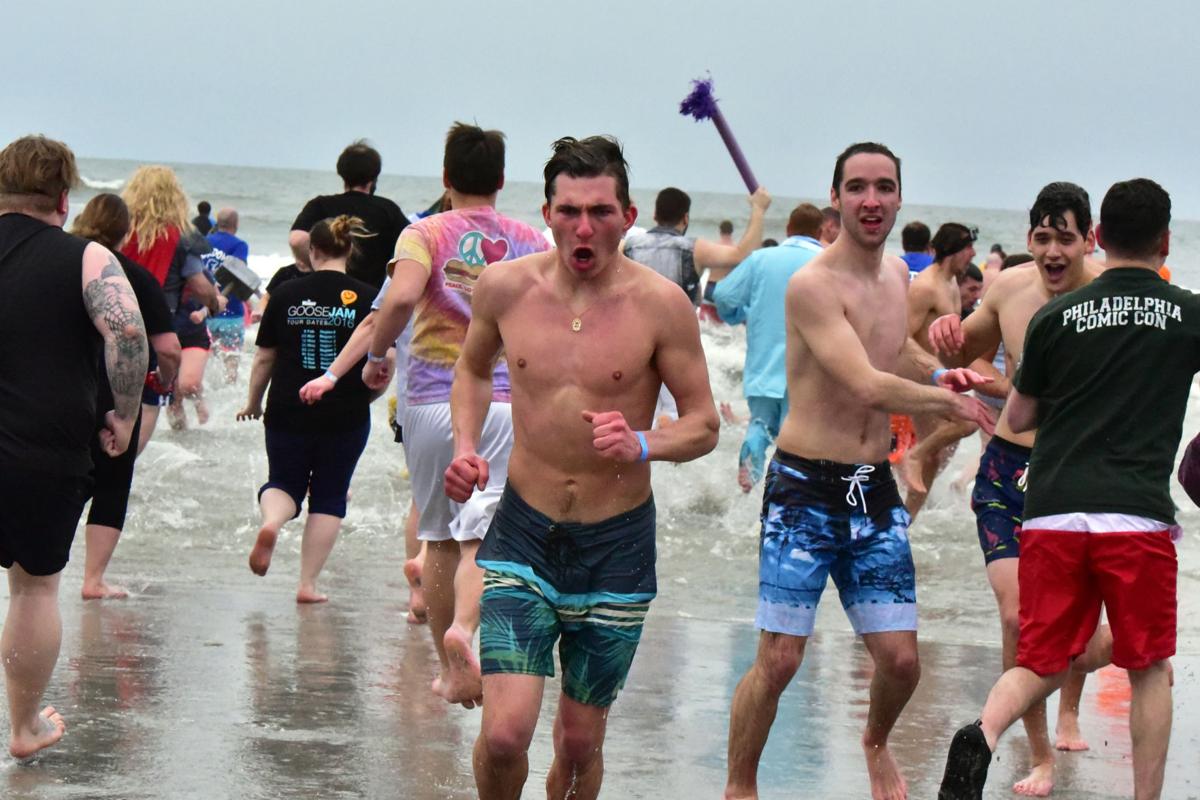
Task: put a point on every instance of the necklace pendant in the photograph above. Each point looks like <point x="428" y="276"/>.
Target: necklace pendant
<point x="577" y="324"/>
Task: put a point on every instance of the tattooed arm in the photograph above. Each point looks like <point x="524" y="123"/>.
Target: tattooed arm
<point x="111" y="304"/>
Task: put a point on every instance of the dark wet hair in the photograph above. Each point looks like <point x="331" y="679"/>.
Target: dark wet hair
<point x="589" y="158"/>
<point x="336" y="237"/>
<point x="1133" y="218"/>
<point x="671" y="206"/>
<point x="474" y="159"/>
<point x="915" y="237"/>
<point x="856" y="149"/>
<point x="203" y="207"/>
<point x="726" y="228"/>
<point x="951" y="238"/>
<point x="105" y="219"/>
<point x="359" y="164"/>
<point x="770" y="243"/>
<point x="971" y="273"/>
<point x="1055" y="200"/>
<point x="1015" y="260"/>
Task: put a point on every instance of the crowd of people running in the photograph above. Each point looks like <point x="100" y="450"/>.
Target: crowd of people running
<point x="537" y="374"/>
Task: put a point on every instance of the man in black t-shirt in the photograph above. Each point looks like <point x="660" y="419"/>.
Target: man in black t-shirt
<point x="1105" y="377"/>
<point x="73" y="296"/>
<point x="359" y="166"/>
<point x="282" y="275"/>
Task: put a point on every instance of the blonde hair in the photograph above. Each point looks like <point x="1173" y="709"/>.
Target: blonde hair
<point x="156" y="203"/>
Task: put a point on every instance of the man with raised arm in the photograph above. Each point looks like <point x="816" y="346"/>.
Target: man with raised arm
<point x="1060" y="235"/>
<point x="1105" y="377"/>
<point x="830" y="505"/>
<point x="76" y="297"/>
<point x="590" y="336"/>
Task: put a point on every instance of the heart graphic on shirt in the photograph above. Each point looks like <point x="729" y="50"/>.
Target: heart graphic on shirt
<point x="493" y="250"/>
<point x="348" y="296"/>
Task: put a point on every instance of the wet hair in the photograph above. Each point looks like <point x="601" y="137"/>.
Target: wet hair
<point x="1134" y="216"/>
<point x="1055" y="200"/>
<point x="725" y="228"/>
<point x="805" y="220"/>
<point x="156" y="204"/>
<point x="951" y="238"/>
<point x="204" y="208"/>
<point x="1014" y="260"/>
<point x="474" y="159"/>
<point x="336" y="237"/>
<point x="770" y="243"/>
<point x="971" y="273"/>
<point x="105" y="219"/>
<point x="857" y="149"/>
<point x="359" y="164"/>
<point x="34" y="172"/>
<point x="671" y="206"/>
<point x="589" y="158"/>
<point x="831" y="214"/>
<point x="915" y="237"/>
<point x="998" y="249"/>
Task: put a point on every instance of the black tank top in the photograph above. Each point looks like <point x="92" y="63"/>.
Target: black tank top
<point x="49" y="350"/>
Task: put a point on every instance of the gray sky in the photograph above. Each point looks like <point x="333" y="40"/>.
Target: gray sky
<point x="984" y="102"/>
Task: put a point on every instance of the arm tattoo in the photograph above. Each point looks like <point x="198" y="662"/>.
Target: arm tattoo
<point x="113" y="308"/>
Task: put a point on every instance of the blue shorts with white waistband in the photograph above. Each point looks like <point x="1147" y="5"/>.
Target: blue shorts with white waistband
<point x="822" y="519"/>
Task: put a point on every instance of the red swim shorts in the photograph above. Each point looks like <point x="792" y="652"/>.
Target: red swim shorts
<point x="1064" y="576"/>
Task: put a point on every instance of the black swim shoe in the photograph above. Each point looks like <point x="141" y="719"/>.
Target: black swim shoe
<point x="966" y="765"/>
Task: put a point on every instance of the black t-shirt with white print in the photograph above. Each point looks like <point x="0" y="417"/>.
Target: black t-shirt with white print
<point x="308" y="322"/>
<point x="1111" y="365"/>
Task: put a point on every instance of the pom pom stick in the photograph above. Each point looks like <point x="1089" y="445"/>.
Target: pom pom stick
<point x="701" y="105"/>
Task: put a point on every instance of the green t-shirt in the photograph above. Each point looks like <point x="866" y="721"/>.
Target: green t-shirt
<point x="1111" y="365"/>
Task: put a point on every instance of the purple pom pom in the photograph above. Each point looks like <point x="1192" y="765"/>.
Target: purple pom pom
<point x="700" y="103"/>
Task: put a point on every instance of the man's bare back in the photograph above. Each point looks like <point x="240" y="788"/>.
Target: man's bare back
<point x="931" y="294"/>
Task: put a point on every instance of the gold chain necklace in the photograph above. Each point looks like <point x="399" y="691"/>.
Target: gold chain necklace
<point x="577" y="322"/>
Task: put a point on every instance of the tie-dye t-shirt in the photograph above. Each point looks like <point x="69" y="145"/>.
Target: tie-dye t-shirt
<point x="454" y="247"/>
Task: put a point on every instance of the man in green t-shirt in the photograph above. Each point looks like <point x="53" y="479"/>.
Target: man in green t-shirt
<point x="1104" y="377"/>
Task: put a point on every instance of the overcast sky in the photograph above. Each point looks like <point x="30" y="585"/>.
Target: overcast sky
<point x="984" y="102"/>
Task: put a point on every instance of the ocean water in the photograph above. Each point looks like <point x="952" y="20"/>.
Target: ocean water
<point x="210" y="682"/>
<point x="268" y="200"/>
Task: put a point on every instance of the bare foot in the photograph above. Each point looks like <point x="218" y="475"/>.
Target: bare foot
<point x="417" y="610"/>
<point x="264" y="546"/>
<point x="201" y="411"/>
<point x="886" y="781"/>
<point x="50" y="727"/>
<point x="100" y="590"/>
<point x="310" y="595"/>
<point x="460" y="682"/>
<point x="744" y="478"/>
<point x="1067" y="735"/>
<point x="1039" y="783"/>
<point x="910" y="472"/>
<point x="176" y="417"/>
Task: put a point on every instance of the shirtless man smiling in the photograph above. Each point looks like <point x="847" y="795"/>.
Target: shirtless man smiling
<point x="1060" y="236"/>
<point x="830" y="505"/>
<point x="590" y="336"/>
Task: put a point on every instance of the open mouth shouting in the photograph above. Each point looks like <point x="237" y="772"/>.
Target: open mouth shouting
<point x="1054" y="272"/>
<point x="872" y="223"/>
<point x="582" y="258"/>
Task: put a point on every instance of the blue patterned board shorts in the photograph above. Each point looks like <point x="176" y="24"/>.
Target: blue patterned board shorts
<point x="588" y="587"/>
<point x="228" y="333"/>
<point x="998" y="499"/>
<point x="822" y="519"/>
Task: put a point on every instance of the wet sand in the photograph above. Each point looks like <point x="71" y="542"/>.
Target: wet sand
<point x="209" y="682"/>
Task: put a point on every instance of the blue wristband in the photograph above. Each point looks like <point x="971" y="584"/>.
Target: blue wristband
<point x="374" y="359"/>
<point x="937" y="373"/>
<point x="330" y="376"/>
<point x="645" y="447"/>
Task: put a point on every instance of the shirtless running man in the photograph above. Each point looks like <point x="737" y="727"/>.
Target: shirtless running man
<point x="934" y="292"/>
<point x="590" y="336"/>
<point x="847" y="347"/>
<point x="1060" y="236"/>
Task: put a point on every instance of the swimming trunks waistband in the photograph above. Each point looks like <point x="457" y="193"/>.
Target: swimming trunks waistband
<point x="1011" y="449"/>
<point x="835" y="472"/>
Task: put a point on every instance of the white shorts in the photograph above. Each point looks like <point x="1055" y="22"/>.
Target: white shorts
<point x="429" y="449"/>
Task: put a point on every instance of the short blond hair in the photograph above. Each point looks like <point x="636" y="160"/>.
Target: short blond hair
<point x="34" y="172"/>
<point x="156" y="203"/>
